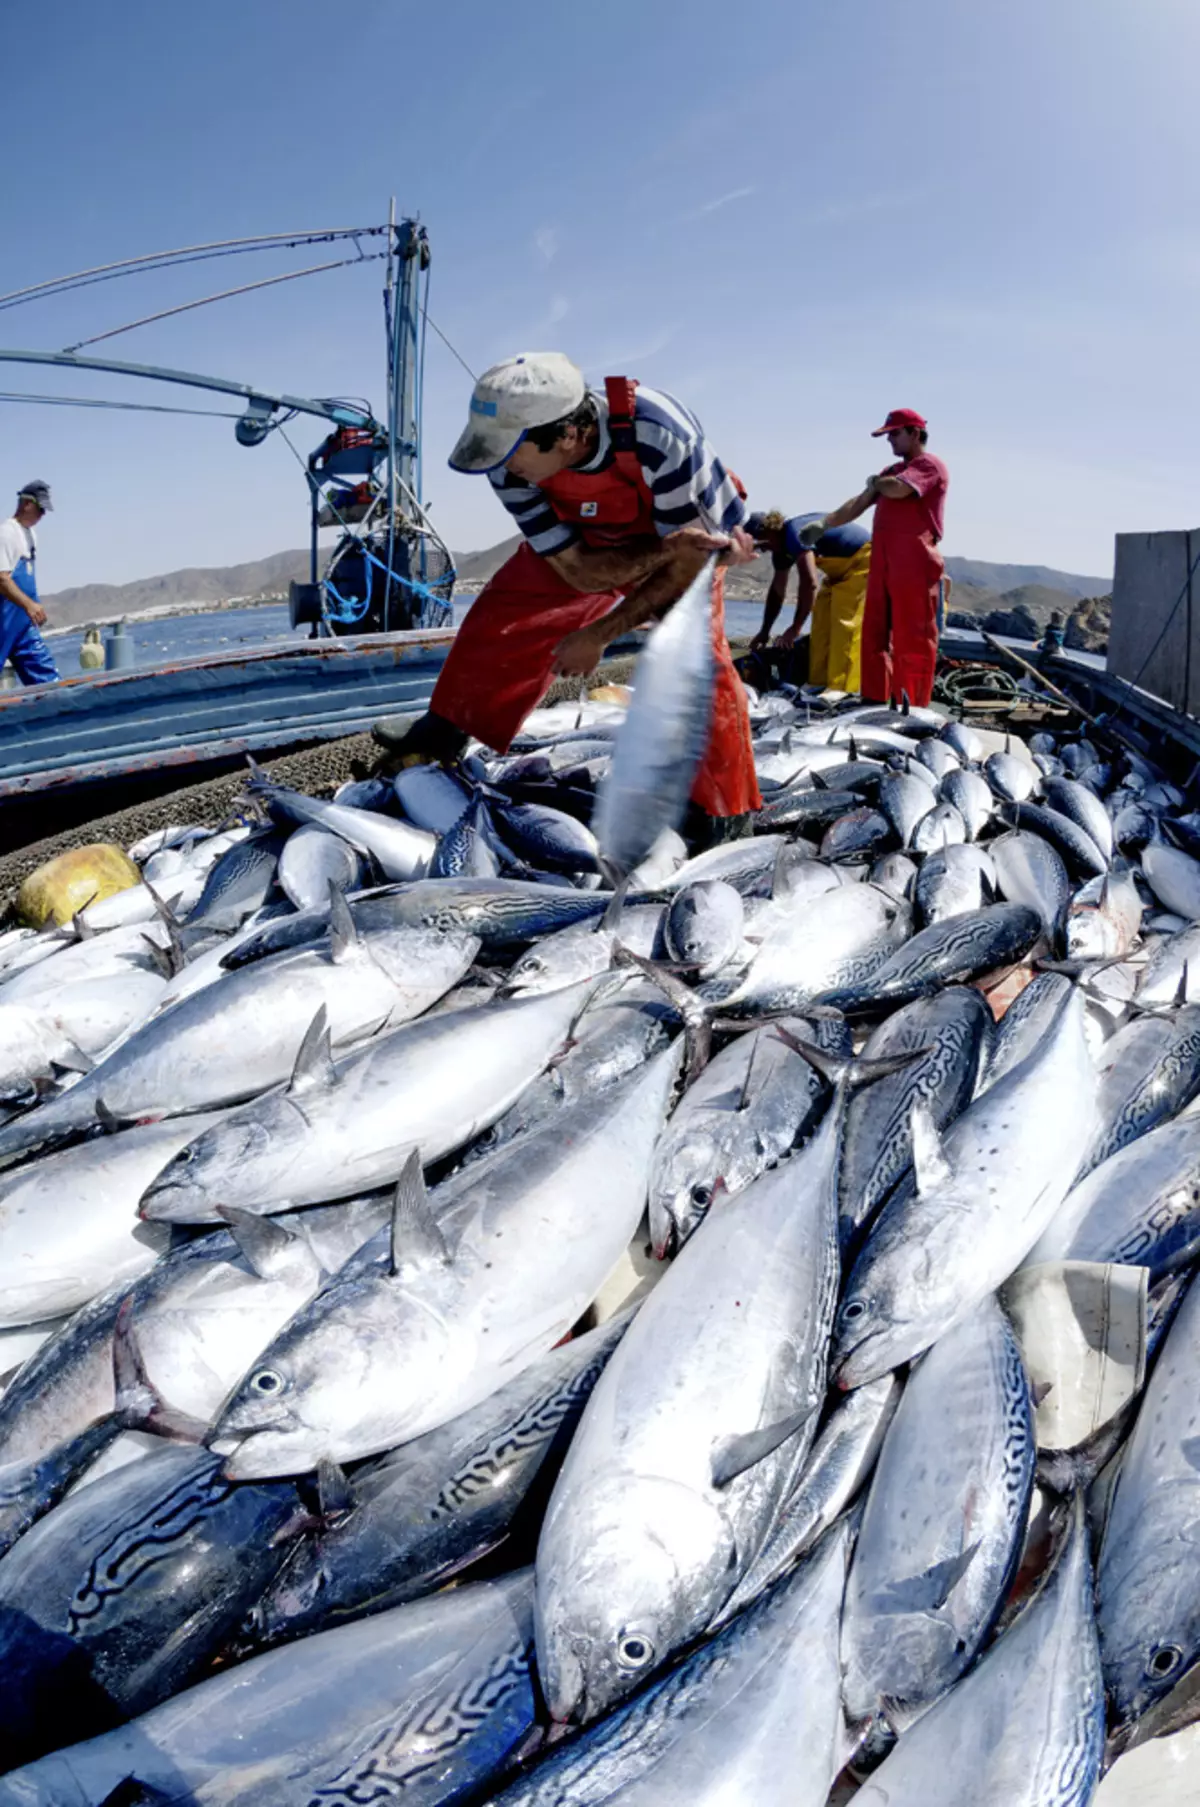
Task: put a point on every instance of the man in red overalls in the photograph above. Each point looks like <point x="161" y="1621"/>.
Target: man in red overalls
<point x="621" y="501"/>
<point x="900" y="619"/>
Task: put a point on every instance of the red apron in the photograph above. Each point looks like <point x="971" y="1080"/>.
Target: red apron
<point x="501" y="663"/>
<point x="899" y="632"/>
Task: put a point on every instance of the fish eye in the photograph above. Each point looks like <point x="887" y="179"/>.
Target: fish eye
<point x="1164" y="1661"/>
<point x="701" y="1194"/>
<point x="266" y="1382"/>
<point x="854" y="1311"/>
<point x="634" y="1650"/>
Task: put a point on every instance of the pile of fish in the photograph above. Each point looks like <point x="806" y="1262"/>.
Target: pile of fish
<point x="495" y="1306"/>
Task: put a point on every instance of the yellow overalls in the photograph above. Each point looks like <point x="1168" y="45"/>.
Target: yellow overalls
<point x="837" y="618"/>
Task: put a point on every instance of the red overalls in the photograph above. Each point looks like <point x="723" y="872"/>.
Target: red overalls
<point x="899" y="632"/>
<point x="501" y="662"/>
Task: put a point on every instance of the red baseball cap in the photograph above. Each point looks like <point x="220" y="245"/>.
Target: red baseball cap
<point x="901" y="417"/>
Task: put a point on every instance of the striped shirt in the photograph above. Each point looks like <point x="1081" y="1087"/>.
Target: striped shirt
<point x="687" y="480"/>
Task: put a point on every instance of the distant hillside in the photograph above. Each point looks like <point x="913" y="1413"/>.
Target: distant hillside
<point x="260" y="578"/>
<point x="978" y="586"/>
<point x="1011" y="577"/>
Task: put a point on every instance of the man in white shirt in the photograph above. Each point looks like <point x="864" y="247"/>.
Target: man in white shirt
<point x="21" y="614"/>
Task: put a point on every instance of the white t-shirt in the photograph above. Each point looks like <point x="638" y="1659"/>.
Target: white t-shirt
<point x="16" y="543"/>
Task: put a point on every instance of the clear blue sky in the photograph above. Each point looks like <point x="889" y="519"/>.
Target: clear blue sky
<point x="794" y="216"/>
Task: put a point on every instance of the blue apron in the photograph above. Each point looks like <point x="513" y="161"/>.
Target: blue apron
<point x="20" y="641"/>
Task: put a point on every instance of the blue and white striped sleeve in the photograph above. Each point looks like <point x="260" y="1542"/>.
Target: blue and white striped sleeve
<point x="687" y="480"/>
<point x="533" y="514"/>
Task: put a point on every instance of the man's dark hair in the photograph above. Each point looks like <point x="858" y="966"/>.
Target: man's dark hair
<point x="923" y="435"/>
<point x="547" y="437"/>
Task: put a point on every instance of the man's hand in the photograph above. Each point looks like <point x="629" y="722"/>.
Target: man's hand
<point x="786" y="640"/>
<point x="740" y="549"/>
<point x="699" y="538"/>
<point x="760" y="640"/>
<point x="580" y="653"/>
<point x="35" y="611"/>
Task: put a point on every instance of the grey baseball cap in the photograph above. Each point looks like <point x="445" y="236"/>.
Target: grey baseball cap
<point x="38" y="491"/>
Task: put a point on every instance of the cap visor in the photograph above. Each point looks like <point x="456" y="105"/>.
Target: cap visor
<point x="478" y="452"/>
<point x="879" y="432"/>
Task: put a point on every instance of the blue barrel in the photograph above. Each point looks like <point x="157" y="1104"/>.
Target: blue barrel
<point x="118" y="650"/>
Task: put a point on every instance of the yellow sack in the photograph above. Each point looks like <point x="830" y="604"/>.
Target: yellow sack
<point x="72" y="881"/>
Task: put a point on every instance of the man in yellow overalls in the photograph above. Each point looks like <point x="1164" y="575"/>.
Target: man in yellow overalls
<point x="831" y="572"/>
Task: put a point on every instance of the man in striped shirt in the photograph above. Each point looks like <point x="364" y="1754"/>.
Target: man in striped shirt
<point x="620" y="501"/>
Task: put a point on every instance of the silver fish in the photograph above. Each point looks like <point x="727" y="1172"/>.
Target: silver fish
<point x="1174" y="877"/>
<point x="1147" y="1592"/>
<point x="953" y="880"/>
<point x="753" y="1102"/>
<point x="432" y="1085"/>
<point x="723" y="1726"/>
<point x="904" y="800"/>
<point x="985" y="1193"/>
<point x="1030" y="871"/>
<point x="311" y="861"/>
<point x="436" y="1697"/>
<point x="841" y="1460"/>
<point x="926" y="1584"/>
<point x="972" y="797"/>
<point x="413" y="1518"/>
<point x="688" y="1441"/>
<point x="942" y="827"/>
<point x="400" y="850"/>
<point x="1150" y="1070"/>
<point x="948" y="1035"/>
<point x="411" y="1334"/>
<point x="662" y="741"/>
<point x="1104" y="918"/>
<point x="703" y="926"/>
<point x="1140" y="1207"/>
<point x="835" y="939"/>
<point x="1012" y="779"/>
<point x="1026" y="1727"/>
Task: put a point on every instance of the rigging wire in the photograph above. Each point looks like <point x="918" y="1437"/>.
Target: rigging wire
<point x="83" y="401"/>
<point x="445" y="341"/>
<point x="184" y="307"/>
<point x="185" y="254"/>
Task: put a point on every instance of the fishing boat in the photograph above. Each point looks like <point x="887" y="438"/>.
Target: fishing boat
<point x="376" y="608"/>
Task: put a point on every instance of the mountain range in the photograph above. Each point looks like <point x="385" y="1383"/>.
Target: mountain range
<point x="979" y="586"/>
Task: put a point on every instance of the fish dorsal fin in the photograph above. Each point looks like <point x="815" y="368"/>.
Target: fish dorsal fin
<point x="732" y="1456"/>
<point x="334" y="1492"/>
<point x="1181" y="990"/>
<point x="417" y="1242"/>
<point x="108" y="1120"/>
<point x="160" y="958"/>
<point x="79" y="922"/>
<point x="170" y="922"/>
<point x="139" y="1404"/>
<point x="314" y="1069"/>
<point x="787" y="741"/>
<point x="852" y="744"/>
<point x="905" y="704"/>
<point x="818" y="782"/>
<point x="831" y="1067"/>
<point x="929" y="1163"/>
<point x="343" y="936"/>
<point x="779" y="869"/>
<point x="264" y="1243"/>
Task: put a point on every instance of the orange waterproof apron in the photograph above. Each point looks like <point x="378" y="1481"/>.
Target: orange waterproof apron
<point x="501" y="663"/>
<point x="899" y="631"/>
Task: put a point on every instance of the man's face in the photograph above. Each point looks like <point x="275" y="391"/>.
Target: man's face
<point x="533" y="466"/>
<point x="29" y="511"/>
<point x="904" y="441"/>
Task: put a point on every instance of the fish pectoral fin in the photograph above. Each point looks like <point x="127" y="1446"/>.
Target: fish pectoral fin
<point x="265" y="1244"/>
<point x="929" y="1163"/>
<point x="73" y="1060"/>
<point x="334" y="1492"/>
<point x="139" y="1404"/>
<point x="343" y="936"/>
<point x="732" y="1456"/>
<point x="930" y="1591"/>
<point x="132" y="1792"/>
<point x="417" y="1240"/>
<point x="314" y="1069"/>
